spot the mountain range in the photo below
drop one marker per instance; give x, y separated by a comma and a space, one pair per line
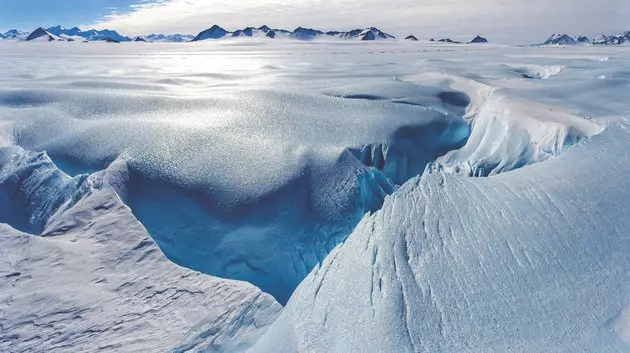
565, 39
14, 34
91, 34
59, 33
217, 31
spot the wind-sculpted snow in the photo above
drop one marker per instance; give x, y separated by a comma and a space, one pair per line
510, 133
532, 260
96, 281
254, 160
537, 71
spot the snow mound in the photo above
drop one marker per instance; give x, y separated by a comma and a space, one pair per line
542, 72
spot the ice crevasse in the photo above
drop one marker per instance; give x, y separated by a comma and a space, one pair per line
533, 259
95, 280
530, 260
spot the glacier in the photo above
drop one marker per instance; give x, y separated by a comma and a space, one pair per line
391, 195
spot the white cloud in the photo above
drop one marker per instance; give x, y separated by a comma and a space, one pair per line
526, 20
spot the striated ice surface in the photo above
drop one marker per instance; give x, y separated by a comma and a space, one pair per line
531, 260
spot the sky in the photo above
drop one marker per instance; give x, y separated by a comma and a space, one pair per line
503, 20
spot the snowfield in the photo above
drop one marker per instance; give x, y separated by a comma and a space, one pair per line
392, 196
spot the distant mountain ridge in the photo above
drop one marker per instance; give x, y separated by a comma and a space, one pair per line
623, 38
560, 39
565, 39
216, 32
176, 38
14, 34
90, 35
59, 33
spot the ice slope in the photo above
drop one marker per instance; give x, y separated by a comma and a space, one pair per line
95, 280
531, 260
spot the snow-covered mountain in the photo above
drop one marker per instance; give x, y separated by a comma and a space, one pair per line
622, 38
371, 33
61, 31
306, 33
565, 39
213, 32
41, 34
479, 39
560, 39
274, 32
263, 31
177, 38
90, 35
449, 40
14, 34
582, 39
411, 37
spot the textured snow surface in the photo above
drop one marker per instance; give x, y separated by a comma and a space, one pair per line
253, 160
95, 280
